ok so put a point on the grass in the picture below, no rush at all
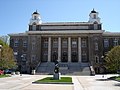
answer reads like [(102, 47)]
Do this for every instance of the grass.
[(4, 75), (51, 80), (115, 78)]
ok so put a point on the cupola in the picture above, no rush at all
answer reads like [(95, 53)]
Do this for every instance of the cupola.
[(36, 19), (93, 17)]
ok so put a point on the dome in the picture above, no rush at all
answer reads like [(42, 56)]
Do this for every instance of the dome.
[(93, 11), (36, 12)]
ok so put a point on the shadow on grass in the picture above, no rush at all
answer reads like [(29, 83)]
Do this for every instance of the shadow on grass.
[(102, 79), (118, 84)]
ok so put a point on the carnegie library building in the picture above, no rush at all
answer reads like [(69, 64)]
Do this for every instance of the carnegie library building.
[(79, 47)]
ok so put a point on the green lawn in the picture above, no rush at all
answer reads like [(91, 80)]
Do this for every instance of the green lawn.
[(2, 76), (115, 78), (51, 80)]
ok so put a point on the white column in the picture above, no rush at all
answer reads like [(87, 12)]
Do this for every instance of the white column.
[(49, 49), (69, 49), (79, 49), (59, 48)]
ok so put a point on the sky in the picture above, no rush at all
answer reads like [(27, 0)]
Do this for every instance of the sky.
[(15, 14)]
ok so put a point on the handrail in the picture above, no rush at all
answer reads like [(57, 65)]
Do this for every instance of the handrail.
[(37, 66)]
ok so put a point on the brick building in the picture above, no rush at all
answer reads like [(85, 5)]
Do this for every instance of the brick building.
[(83, 43)]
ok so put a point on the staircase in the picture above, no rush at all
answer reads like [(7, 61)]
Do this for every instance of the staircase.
[(68, 68)]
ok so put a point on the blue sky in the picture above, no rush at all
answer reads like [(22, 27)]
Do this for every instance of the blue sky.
[(15, 14)]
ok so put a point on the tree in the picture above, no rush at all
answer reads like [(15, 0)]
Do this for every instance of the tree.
[(5, 39), (7, 59), (112, 59)]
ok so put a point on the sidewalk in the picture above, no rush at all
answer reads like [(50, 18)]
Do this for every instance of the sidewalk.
[(24, 82)]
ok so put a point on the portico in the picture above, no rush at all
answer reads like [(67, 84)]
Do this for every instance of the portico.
[(65, 49)]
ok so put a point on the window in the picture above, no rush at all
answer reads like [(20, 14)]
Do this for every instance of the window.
[(33, 46), (16, 43), (45, 44), (35, 17), (55, 43), (34, 27), (33, 57), (23, 57), (96, 59), (106, 42), (45, 56), (74, 44), (115, 42), (84, 56), (84, 43), (64, 43), (95, 26), (96, 46), (94, 16), (24, 43)]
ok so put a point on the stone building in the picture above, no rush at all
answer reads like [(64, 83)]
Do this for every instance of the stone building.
[(80, 43)]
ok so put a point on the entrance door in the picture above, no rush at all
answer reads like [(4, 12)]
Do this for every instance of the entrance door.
[(54, 57), (64, 57), (74, 57)]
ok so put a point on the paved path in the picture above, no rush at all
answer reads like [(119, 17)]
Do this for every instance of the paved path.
[(24, 82)]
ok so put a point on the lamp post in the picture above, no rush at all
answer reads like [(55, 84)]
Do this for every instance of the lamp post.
[(21, 64), (102, 57)]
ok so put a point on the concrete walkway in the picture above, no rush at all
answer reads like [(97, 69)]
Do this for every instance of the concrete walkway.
[(24, 82)]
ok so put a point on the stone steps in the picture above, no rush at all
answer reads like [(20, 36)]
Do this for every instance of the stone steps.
[(65, 68)]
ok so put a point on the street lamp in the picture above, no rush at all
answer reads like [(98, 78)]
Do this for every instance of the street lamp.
[(102, 57), (21, 63)]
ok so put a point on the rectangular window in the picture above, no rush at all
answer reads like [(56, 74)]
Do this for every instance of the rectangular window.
[(115, 42), (84, 56), (84, 43), (106, 42), (55, 44), (33, 46), (96, 46), (64, 43), (34, 27), (16, 43), (33, 57), (24, 43), (45, 44), (95, 26), (23, 57), (74, 44)]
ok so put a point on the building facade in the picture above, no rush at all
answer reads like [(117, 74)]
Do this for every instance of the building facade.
[(75, 42)]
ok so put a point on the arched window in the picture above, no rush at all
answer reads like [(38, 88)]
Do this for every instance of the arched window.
[(35, 17), (94, 16), (96, 59)]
